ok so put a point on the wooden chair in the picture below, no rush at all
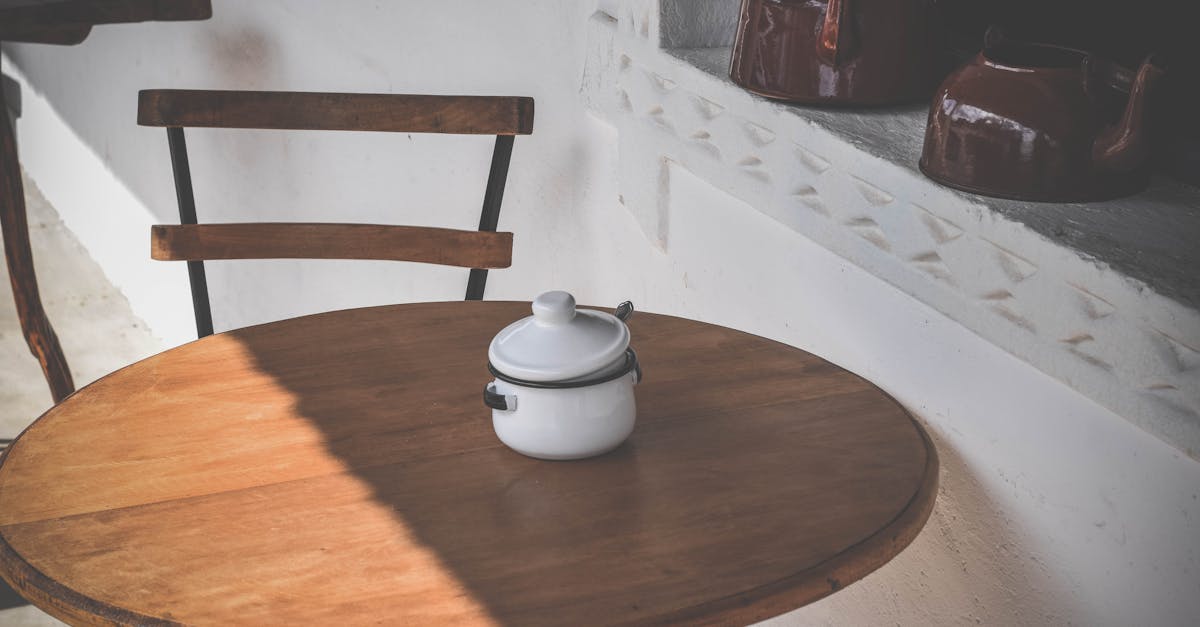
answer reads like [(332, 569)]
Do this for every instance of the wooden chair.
[(502, 116)]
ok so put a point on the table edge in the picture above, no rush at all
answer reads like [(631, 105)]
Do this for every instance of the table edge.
[(855, 562), (61, 602), (771, 600)]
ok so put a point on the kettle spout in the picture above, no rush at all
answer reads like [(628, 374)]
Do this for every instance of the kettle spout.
[(1123, 146)]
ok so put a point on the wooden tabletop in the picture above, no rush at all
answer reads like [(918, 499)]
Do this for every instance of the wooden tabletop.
[(342, 468)]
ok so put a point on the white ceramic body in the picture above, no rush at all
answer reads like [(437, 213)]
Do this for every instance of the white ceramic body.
[(566, 423)]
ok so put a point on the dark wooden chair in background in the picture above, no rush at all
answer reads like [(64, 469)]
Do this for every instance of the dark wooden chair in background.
[(502, 116)]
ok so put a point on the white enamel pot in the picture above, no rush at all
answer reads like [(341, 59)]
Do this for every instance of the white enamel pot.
[(548, 400)]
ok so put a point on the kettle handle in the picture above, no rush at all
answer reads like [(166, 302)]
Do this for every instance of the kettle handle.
[(1125, 146), (836, 41), (994, 37)]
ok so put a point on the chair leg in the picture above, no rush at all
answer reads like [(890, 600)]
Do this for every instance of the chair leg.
[(187, 215), (489, 217), (39, 334)]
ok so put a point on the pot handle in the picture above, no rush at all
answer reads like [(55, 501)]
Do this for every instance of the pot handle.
[(496, 400), (624, 311)]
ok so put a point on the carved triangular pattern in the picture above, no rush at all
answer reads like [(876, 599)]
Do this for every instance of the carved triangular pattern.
[(932, 264), (1093, 306), (809, 197), (1015, 267), (661, 83), (1184, 358), (877, 197), (810, 160), (869, 230), (940, 229), (760, 135), (707, 108)]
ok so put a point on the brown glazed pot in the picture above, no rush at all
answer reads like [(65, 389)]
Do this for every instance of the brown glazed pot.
[(1038, 122), (836, 52)]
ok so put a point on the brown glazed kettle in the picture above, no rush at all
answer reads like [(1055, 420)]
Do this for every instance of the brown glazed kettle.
[(1039, 122), (836, 52)]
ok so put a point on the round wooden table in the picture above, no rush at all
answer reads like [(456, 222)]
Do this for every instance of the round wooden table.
[(342, 468)]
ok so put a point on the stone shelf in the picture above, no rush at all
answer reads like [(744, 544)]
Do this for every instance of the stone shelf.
[(1102, 296), (1151, 237)]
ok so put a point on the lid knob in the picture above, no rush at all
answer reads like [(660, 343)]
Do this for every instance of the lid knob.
[(556, 307)]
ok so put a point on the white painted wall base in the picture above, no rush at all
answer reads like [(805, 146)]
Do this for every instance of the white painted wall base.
[(1052, 509)]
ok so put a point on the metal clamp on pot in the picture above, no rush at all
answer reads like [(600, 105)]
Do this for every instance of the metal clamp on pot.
[(508, 402), (564, 380)]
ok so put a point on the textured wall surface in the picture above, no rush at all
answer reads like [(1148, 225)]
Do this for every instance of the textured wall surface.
[(1103, 296), (1053, 509)]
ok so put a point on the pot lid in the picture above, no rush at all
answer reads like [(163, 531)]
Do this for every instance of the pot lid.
[(558, 341)]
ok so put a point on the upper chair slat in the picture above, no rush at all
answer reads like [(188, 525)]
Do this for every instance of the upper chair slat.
[(288, 240), (400, 113)]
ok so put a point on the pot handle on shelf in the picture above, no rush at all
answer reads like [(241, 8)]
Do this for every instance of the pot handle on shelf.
[(496, 400)]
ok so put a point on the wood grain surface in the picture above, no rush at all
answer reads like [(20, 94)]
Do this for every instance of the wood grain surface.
[(281, 240), (402, 113), (342, 468)]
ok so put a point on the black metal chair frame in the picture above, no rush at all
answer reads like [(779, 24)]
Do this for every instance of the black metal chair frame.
[(488, 218)]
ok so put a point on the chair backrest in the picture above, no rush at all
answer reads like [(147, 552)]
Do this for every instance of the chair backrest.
[(175, 109)]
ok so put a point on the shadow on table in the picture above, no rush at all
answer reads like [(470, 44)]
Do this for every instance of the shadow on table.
[(419, 435), (625, 518), (970, 560)]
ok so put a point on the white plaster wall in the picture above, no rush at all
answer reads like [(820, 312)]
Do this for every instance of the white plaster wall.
[(523, 48), (1052, 509)]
